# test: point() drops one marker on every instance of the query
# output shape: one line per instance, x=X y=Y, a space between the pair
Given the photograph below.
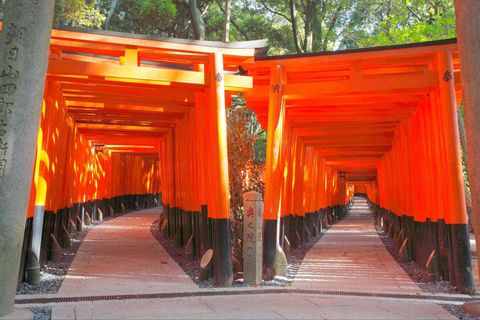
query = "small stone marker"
x=188 y=249
x=286 y=246
x=308 y=236
x=88 y=219
x=252 y=237
x=205 y=265
x=72 y=226
x=163 y=227
x=79 y=224
x=67 y=238
x=55 y=250
x=99 y=215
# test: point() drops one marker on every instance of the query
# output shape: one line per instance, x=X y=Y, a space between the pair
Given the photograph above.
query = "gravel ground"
x=42 y=313
x=191 y=266
x=52 y=275
x=458 y=312
x=423 y=278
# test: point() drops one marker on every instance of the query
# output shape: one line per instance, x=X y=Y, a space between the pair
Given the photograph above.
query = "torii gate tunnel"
x=129 y=122
x=381 y=122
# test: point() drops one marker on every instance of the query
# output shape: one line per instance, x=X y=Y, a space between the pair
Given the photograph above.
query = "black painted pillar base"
x=33 y=257
x=203 y=231
x=178 y=226
x=196 y=234
x=223 y=270
x=33 y=269
x=283 y=229
x=443 y=249
x=292 y=229
x=269 y=247
x=462 y=258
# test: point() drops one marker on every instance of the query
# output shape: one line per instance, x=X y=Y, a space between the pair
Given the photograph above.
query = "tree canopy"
x=290 y=26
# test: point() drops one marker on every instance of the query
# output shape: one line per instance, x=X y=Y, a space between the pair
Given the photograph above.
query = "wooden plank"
x=142 y=42
x=113 y=127
x=118 y=72
x=397 y=82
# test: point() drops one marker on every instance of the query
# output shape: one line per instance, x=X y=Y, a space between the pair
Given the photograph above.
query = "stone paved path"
x=271 y=306
x=121 y=256
x=351 y=257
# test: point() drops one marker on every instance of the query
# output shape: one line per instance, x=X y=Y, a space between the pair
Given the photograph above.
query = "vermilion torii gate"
x=128 y=120
x=124 y=99
x=383 y=120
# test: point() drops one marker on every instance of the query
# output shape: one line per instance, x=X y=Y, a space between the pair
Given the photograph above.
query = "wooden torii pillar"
x=457 y=220
x=218 y=197
x=24 y=49
x=468 y=24
x=273 y=187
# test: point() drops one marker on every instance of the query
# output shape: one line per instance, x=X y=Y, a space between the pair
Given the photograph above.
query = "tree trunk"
x=293 y=17
x=24 y=50
x=329 y=30
x=310 y=16
x=468 y=24
x=226 y=26
x=110 y=13
x=197 y=20
x=316 y=29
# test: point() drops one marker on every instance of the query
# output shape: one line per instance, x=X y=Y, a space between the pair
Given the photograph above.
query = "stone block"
x=252 y=237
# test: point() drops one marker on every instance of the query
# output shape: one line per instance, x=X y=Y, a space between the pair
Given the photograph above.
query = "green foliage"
x=414 y=21
x=214 y=22
x=154 y=17
x=158 y=7
x=320 y=24
x=78 y=13
x=261 y=147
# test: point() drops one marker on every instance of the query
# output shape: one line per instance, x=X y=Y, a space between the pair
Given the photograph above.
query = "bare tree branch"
x=234 y=24
x=418 y=16
x=198 y=23
x=275 y=12
x=333 y=22
x=293 y=15
x=226 y=26
x=113 y=6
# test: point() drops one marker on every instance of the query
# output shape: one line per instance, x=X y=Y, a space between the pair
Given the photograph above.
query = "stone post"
x=468 y=24
x=252 y=237
x=24 y=50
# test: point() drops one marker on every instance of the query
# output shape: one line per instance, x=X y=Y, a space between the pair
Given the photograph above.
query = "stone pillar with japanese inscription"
x=24 y=51
x=252 y=237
